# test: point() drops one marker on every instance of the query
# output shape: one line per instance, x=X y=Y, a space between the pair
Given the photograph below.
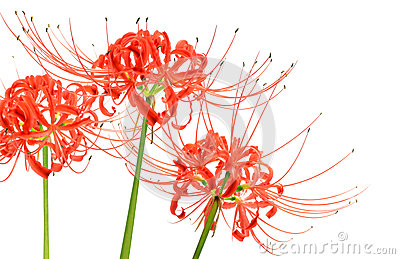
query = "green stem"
x=207 y=228
x=227 y=175
x=46 y=252
x=126 y=244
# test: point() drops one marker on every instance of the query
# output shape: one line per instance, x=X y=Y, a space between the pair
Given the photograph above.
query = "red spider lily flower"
x=243 y=182
x=232 y=172
x=137 y=66
x=36 y=112
x=135 y=54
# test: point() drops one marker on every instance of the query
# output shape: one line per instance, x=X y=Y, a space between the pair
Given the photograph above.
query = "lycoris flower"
x=36 y=112
x=135 y=54
x=240 y=180
x=141 y=64
x=230 y=174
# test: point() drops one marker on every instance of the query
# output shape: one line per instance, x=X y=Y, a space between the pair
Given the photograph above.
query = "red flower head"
x=141 y=64
x=135 y=54
x=137 y=60
x=36 y=112
x=232 y=172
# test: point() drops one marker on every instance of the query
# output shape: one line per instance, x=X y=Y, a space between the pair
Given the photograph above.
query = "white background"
x=348 y=63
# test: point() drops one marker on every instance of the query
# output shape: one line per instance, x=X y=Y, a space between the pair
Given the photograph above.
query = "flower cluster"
x=224 y=171
x=135 y=66
x=229 y=171
x=38 y=112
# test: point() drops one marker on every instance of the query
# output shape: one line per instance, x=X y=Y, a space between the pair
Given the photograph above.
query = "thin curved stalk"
x=46 y=241
x=126 y=244
x=207 y=228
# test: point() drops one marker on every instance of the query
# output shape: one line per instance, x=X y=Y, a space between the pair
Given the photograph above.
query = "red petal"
x=231 y=189
x=62 y=108
x=144 y=108
x=55 y=167
x=77 y=124
x=37 y=167
x=238 y=235
x=174 y=206
x=272 y=212
x=77 y=158
x=103 y=109
x=253 y=222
